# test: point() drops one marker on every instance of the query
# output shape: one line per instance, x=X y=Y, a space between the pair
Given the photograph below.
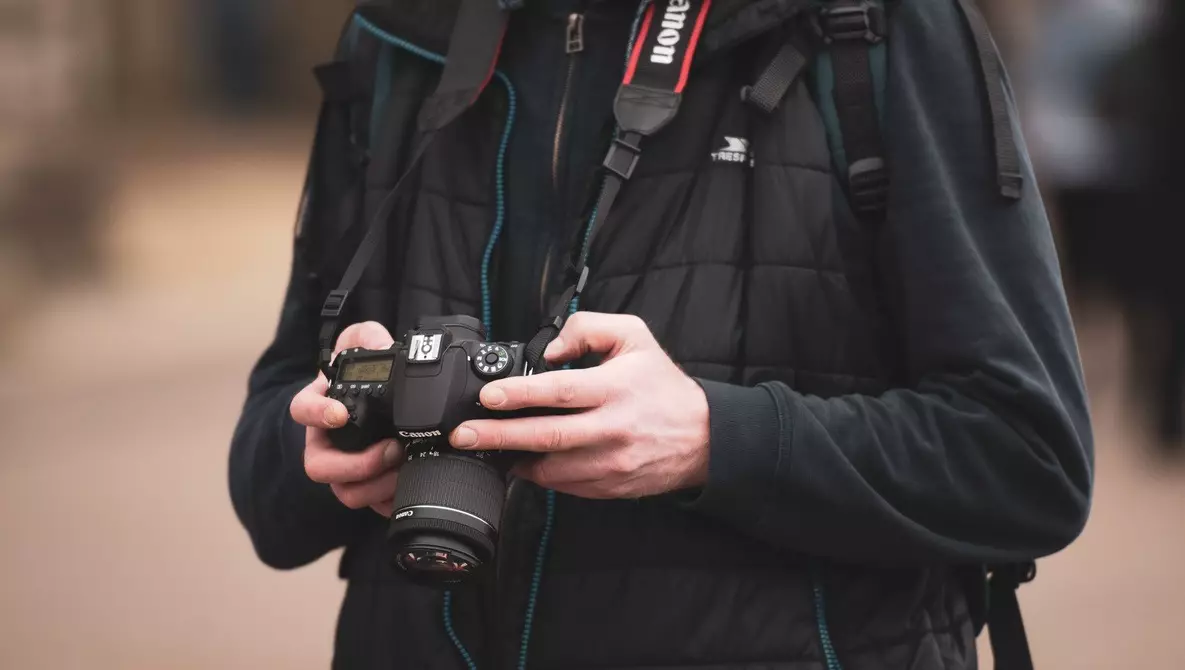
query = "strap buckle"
x=850 y=21
x=622 y=158
x=868 y=186
x=335 y=302
x=1013 y=575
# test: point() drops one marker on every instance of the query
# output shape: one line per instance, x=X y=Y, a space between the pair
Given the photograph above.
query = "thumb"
x=593 y=332
x=367 y=335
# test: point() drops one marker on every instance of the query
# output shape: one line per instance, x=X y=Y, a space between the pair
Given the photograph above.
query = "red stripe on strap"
x=639 y=43
x=699 y=28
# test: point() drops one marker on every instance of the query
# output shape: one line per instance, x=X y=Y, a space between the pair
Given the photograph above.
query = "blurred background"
x=151 y=158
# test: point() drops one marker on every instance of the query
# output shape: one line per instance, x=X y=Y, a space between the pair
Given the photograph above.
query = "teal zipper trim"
x=500 y=170
x=549 y=518
x=447 y=612
x=828 y=648
x=382 y=92
x=536 y=580
x=491 y=244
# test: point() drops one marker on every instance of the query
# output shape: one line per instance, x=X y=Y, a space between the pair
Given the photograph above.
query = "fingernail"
x=335 y=415
x=463 y=438
x=555 y=348
x=392 y=453
x=492 y=396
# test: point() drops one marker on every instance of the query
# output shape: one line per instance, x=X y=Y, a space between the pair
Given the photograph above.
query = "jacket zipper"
x=574 y=39
x=573 y=46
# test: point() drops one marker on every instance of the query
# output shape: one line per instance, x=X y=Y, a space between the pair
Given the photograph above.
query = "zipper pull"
x=575 y=33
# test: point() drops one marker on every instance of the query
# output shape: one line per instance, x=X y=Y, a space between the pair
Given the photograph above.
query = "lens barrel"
x=446 y=515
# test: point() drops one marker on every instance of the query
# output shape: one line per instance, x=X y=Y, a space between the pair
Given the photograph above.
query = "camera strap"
x=647 y=101
x=472 y=56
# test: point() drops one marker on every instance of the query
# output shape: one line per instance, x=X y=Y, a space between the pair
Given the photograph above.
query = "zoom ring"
x=453 y=482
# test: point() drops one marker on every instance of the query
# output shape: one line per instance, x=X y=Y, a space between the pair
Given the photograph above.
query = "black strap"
x=648 y=100
x=776 y=79
x=1008 y=168
x=473 y=54
x=1010 y=645
x=849 y=28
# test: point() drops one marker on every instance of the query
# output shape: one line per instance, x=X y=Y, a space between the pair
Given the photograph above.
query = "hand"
x=360 y=480
x=644 y=429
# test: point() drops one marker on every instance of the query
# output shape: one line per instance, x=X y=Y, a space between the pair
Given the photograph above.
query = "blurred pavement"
x=119 y=545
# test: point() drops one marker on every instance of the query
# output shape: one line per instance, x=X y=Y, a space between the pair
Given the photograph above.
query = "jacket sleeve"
x=292 y=521
x=984 y=452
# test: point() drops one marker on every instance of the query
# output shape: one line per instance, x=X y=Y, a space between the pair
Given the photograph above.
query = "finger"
x=365 y=335
x=540 y=434
x=563 y=388
x=325 y=464
x=563 y=468
x=593 y=332
x=385 y=508
x=572 y=473
x=311 y=408
x=365 y=494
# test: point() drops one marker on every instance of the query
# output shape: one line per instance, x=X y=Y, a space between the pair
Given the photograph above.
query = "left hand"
x=644 y=425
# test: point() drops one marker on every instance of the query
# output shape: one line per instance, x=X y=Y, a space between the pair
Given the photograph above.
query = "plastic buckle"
x=868 y=186
x=1012 y=185
x=1013 y=575
x=335 y=302
x=622 y=152
x=847 y=21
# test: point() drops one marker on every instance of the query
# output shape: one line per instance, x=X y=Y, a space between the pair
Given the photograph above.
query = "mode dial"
x=492 y=360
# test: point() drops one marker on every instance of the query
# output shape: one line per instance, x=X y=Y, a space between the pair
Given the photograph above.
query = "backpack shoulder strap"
x=845 y=50
x=849 y=75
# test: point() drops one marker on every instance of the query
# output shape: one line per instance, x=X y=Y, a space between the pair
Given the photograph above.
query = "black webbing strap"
x=473 y=54
x=849 y=28
x=1008 y=169
x=1006 y=628
x=776 y=79
x=648 y=100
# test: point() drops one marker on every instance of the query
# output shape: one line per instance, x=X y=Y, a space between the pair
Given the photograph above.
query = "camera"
x=448 y=504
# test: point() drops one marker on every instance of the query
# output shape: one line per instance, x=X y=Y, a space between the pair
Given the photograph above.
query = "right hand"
x=359 y=480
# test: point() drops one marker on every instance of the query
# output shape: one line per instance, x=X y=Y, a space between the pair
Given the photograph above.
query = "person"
x=802 y=434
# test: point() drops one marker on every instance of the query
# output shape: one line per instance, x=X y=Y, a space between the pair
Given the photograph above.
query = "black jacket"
x=889 y=404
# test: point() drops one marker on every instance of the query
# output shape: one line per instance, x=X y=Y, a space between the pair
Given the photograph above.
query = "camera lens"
x=445 y=524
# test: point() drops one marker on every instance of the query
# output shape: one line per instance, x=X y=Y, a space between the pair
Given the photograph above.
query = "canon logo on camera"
x=672 y=26
x=413 y=434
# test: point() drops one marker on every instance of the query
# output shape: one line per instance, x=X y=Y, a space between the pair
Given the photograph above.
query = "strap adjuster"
x=335 y=302
x=868 y=186
x=622 y=158
x=847 y=21
x=1014 y=574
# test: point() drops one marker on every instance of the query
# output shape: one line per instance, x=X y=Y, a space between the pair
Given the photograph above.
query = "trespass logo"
x=672 y=31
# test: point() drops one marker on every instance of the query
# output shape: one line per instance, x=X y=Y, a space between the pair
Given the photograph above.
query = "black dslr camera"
x=448 y=504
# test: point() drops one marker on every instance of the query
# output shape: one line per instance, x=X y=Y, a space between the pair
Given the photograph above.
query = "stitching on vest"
x=639 y=176
x=917 y=635
x=739 y=266
x=800 y=372
x=439 y=293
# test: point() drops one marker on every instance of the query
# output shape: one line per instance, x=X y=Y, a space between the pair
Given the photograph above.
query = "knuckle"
x=348 y=497
x=492 y=436
x=576 y=321
x=565 y=393
x=622 y=463
x=553 y=438
x=313 y=467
